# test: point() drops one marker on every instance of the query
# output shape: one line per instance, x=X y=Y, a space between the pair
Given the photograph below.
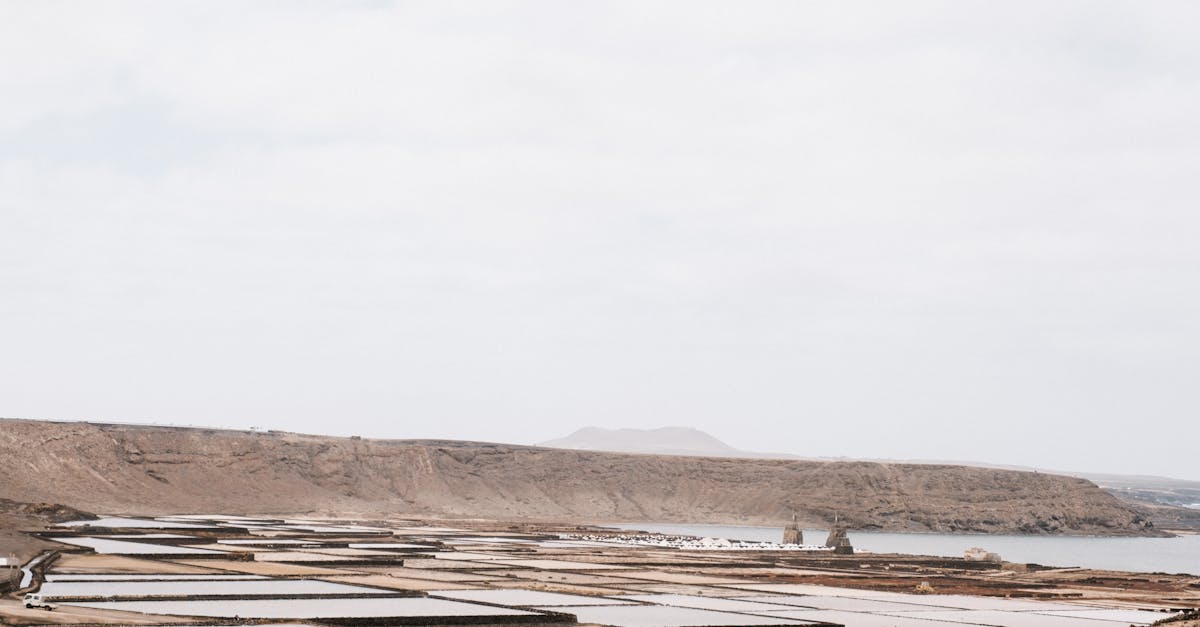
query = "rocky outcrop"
x=153 y=470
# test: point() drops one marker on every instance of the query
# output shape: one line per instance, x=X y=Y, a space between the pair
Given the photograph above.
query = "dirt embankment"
x=153 y=470
x=15 y=516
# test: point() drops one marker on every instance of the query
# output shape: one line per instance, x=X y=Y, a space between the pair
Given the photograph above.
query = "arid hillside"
x=154 y=470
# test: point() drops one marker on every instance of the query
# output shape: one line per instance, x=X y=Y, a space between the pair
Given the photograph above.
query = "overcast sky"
x=960 y=230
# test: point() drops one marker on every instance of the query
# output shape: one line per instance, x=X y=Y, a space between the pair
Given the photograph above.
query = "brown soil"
x=12 y=610
x=15 y=516
x=156 y=470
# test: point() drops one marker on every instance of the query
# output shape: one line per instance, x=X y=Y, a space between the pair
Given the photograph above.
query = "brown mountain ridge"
x=131 y=469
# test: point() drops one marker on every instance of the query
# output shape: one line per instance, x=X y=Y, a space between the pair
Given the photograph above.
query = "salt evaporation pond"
x=902 y=603
x=855 y=619
x=122 y=547
x=150 y=536
x=147 y=577
x=1167 y=555
x=238 y=588
x=1010 y=619
x=664 y=616
x=133 y=523
x=389 y=545
x=740 y=604
x=880 y=610
x=269 y=541
x=311 y=608
x=525 y=598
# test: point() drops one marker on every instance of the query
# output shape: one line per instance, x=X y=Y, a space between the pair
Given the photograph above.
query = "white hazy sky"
x=959 y=230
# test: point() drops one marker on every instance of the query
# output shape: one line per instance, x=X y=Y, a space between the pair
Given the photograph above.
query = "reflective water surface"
x=1168 y=555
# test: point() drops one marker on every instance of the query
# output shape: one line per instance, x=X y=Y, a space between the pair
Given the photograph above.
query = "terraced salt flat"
x=428 y=574
x=431 y=563
x=270 y=569
x=431 y=530
x=150 y=536
x=123 y=547
x=526 y=598
x=407 y=607
x=547 y=564
x=236 y=588
x=336 y=529
x=682 y=578
x=302 y=557
x=851 y=604
x=354 y=552
x=270 y=541
x=571 y=544
x=964 y=602
x=469 y=556
x=221 y=517
x=811 y=589
x=148 y=577
x=273 y=625
x=705 y=603
x=901 y=610
x=1140 y=617
x=389 y=545
x=488 y=540
x=832 y=602
x=855 y=619
x=664 y=616
x=399 y=583
x=570 y=578
x=134 y=523
x=997 y=618
x=652 y=588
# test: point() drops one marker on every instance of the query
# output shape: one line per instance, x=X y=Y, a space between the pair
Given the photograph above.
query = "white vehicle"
x=33 y=600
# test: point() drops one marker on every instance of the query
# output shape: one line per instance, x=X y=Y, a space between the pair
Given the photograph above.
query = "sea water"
x=1165 y=555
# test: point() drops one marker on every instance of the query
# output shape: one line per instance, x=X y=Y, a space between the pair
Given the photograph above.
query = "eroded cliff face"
x=156 y=470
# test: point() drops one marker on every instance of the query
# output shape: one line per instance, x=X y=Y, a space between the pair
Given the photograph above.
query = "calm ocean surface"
x=1167 y=555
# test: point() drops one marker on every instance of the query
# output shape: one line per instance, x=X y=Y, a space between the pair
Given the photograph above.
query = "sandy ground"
x=12 y=612
x=92 y=563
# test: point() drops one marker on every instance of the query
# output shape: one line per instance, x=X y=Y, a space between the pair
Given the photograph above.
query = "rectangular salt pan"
x=466 y=555
x=353 y=552
x=388 y=545
x=964 y=602
x=1121 y=616
x=489 y=541
x=1010 y=619
x=408 y=607
x=525 y=598
x=855 y=619
x=663 y=616
x=150 y=536
x=831 y=591
x=122 y=547
x=279 y=541
x=849 y=604
x=895 y=603
x=556 y=564
x=147 y=577
x=302 y=557
x=134 y=523
x=226 y=517
x=704 y=603
x=259 y=587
